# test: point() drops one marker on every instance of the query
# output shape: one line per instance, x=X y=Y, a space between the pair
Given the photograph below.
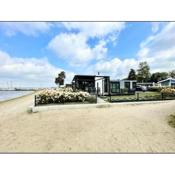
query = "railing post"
x=96 y=94
x=137 y=96
x=35 y=100
x=162 y=96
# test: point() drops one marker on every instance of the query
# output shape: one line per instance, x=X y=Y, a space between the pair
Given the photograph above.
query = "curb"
x=35 y=109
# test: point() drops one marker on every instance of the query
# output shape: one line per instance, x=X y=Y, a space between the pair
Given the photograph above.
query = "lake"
x=7 y=95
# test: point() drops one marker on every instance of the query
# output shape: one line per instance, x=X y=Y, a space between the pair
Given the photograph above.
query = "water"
x=6 y=95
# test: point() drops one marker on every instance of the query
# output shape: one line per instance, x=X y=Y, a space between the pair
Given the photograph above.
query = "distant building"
x=169 y=82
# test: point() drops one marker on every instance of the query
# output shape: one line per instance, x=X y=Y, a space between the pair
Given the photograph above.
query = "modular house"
x=169 y=82
x=123 y=86
x=102 y=84
x=91 y=83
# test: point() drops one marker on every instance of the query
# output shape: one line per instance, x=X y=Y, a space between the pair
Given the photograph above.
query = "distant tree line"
x=143 y=74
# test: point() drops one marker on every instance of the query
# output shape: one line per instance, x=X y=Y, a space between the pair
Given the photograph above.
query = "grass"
x=171 y=121
x=142 y=96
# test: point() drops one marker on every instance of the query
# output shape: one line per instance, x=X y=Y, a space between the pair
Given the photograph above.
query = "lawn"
x=139 y=95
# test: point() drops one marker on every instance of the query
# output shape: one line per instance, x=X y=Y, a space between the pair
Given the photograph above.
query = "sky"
x=33 y=53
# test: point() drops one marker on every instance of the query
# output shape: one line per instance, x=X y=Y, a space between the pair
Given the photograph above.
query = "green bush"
x=155 y=88
x=91 y=99
x=124 y=91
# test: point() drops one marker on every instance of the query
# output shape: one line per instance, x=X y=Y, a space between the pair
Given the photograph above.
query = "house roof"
x=170 y=78
x=129 y=80
x=146 y=83
x=90 y=76
x=123 y=80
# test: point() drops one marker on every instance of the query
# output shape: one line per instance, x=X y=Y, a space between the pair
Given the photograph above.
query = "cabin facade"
x=103 y=85
x=123 y=86
x=92 y=83
x=84 y=83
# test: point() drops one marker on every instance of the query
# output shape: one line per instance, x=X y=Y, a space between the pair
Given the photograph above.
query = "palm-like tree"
x=60 y=79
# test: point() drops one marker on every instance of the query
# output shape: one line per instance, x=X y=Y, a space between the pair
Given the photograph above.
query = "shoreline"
x=15 y=98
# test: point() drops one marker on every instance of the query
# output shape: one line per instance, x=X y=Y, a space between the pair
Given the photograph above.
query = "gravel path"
x=123 y=128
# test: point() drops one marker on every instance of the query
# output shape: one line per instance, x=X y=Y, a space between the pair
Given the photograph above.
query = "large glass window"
x=134 y=85
x=165 y=83
x=173 y=84
x=115 y=87
x=127 y=85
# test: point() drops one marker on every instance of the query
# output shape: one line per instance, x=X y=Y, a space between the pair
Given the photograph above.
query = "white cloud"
x=155 y=26
x=143 y=52
x=95 y=29
x=27 y=28
x=74 y=48
x=116 y=67
x=159 y=49
x=100 y=50
x=28 y=71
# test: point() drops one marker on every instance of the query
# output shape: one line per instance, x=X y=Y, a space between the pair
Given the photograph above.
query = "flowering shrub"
x=61 y=95
x=168 y=91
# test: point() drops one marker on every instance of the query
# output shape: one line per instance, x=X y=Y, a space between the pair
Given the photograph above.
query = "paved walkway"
x=100 y=100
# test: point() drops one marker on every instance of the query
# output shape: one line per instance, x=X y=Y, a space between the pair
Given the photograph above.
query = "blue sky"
x=33 y=53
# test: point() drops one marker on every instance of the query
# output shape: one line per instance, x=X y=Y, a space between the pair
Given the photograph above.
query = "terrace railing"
x=141 y=96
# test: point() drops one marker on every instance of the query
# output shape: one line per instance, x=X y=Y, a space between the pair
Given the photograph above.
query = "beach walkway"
x=122 y=128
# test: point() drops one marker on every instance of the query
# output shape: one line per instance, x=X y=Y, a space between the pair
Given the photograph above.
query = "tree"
x=132 y=75
x=172 y=73
x=60 y=79
x=143 y=72
x=158 y=76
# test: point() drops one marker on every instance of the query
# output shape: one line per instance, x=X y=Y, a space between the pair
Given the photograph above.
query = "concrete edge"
x=35 y=109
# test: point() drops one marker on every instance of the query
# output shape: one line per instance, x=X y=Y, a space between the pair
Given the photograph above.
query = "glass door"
x=115 y=87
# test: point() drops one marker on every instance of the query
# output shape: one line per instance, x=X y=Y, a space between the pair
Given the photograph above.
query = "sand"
x=122 y=128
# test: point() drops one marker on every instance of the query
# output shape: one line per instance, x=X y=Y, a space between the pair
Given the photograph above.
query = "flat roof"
x=89 y=76
x=121 y=80
x=145 y=83
x=128 y=80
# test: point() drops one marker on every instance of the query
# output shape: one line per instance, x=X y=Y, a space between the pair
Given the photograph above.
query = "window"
x=173 y=84
x=105 y=85
x=165 y=83
x=134 y=85
x=127 y=85
x=115 y=87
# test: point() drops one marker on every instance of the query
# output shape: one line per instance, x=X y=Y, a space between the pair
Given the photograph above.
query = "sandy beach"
x=123 y=128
